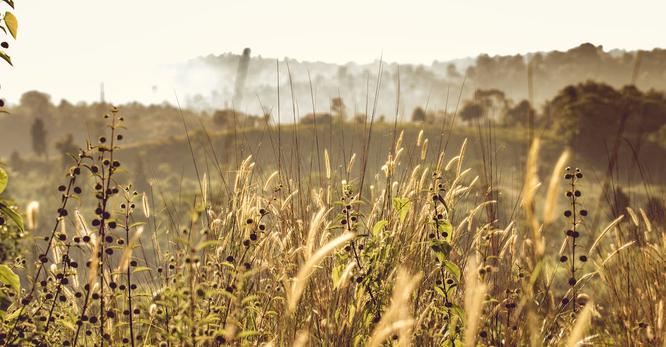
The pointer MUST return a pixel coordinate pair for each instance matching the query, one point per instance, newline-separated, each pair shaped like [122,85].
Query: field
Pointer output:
[346,235]
[156,191]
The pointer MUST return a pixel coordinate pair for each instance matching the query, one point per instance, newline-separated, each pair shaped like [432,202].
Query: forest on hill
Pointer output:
[210,82]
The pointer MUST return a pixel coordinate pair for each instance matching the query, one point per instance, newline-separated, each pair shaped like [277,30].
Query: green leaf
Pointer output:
[4,178]
[9,213]
[12,23]
[441,248]
[10,317]
[379,226]
[402,206]
[7,58]
[452,268]
[7,276]
[445,227]
[441,292]
[458,311]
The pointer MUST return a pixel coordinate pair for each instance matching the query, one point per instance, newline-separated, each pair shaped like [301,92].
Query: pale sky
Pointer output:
[68,47]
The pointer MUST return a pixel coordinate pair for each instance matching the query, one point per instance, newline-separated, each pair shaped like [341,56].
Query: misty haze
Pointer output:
[304,173]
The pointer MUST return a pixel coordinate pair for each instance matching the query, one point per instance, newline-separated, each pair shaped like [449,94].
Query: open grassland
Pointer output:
[390,239]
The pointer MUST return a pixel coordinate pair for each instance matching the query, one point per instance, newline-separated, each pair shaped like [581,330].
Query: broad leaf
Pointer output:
[12,23]
[445,229]
[458,311]
[8,277]
[379,226]
[9,213]
[12,316]
[452,268]
[402,206]
[441,248]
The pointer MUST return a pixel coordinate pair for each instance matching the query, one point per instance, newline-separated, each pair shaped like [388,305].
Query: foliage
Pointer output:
[520,114]
[8,24]
[11,223]
[553,71]
[490,103]
[418,115]
[593,113]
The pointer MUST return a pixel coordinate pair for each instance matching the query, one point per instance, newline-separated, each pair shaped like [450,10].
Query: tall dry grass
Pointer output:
[276,260]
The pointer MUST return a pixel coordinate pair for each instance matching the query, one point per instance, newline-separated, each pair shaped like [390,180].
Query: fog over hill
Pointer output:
[210,82]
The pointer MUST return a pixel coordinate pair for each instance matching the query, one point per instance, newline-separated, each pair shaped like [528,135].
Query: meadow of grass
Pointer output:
[422,251]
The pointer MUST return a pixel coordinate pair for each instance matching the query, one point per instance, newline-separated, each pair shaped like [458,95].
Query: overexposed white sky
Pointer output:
[68,47]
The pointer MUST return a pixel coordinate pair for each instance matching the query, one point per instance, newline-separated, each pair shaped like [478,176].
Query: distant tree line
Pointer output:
[582,115]
[552,71]
[41,127]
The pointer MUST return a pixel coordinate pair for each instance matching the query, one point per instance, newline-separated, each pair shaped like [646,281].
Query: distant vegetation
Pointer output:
[588,115]
[546,72]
